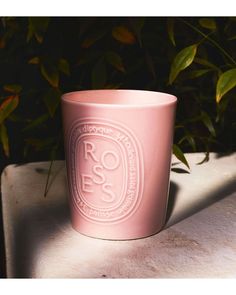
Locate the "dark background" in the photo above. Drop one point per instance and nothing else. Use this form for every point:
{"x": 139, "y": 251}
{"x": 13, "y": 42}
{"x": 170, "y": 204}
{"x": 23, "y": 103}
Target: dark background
{"x": 41, "y": 58}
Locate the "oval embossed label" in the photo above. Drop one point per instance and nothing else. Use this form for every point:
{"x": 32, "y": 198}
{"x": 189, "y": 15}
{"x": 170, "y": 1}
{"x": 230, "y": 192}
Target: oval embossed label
{"x": 106, "y": 175}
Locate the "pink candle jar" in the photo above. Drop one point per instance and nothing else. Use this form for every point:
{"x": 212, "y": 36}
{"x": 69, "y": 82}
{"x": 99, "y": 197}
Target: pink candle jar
{"x": 118, "y": 146}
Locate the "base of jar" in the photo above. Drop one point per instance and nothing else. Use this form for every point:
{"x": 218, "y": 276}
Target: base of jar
{"x": 117, "y": 238}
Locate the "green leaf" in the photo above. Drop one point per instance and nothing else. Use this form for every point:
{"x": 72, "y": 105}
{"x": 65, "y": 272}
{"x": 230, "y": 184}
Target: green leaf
{"x": 221, "y": 108}
{"x": 93, "y": 37}
{"x": 36, "y": 123}
{"x": 206, "y": 63}
{"x": 226, "y": 82}
{"x": 182, "y": 60}
{"x": 8, "y": 106}
{"x": 87, "y": 57}
{"x": 150, "y": 64}
{"x": 30, "y": 33}
{"x": 64, "y": 66}
{"x": 115, "y": 60}
{"x": 208, "y": 123}
{"x": 13, "y": 88}
{"x": 99, "y": 75}
{"x": 137, "y": 25}
{"x": 205, "y": 159}
{"x": 179, "y": 155}
{"x": 170, "y": 29}
{"x": 16, "y": 118}
{"x": 52, "y": 100}
{"x": 37, "y": 27}
{"x": 232, "y": 38}
{"x": 123, "y": 35}
{"x": 40, "y": 144}
{"x": 50, "y": 73}
{"x": 35, "y": 60}
{"x": 4, "y": 139}
{"x": 197, "y": 73}
{"x": 190, "y": 139}
{"x": 208, "y": 23}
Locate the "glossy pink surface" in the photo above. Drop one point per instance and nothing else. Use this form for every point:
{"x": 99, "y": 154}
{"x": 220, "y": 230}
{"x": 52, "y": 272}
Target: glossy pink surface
{"x": 118, "y": 153}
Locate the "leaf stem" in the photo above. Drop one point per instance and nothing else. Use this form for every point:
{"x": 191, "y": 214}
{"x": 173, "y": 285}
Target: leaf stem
{"x": 211, "y": 40}
{"x": 54, "y": 149}
{"x": 48, "y": 176}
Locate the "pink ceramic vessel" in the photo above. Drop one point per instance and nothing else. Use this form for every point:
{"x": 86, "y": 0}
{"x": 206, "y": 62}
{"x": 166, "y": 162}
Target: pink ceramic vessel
{"x": 118, "y": 147}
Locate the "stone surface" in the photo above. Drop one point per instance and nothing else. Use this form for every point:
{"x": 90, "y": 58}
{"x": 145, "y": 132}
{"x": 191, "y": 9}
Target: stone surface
{"x": 199, "y": 239}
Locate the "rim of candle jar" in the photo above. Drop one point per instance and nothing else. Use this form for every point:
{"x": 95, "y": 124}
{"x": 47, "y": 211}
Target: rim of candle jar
{"x": 124, "y": 98}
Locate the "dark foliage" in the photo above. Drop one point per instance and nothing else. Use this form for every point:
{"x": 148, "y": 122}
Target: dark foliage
{"x": 40, "y": 58}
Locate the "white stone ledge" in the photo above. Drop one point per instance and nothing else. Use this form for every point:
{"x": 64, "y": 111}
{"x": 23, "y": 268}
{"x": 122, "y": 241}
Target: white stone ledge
{"x": 199, "y": 239}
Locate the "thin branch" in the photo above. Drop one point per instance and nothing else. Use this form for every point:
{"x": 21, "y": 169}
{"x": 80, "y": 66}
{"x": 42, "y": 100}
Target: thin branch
{"x": 54, "y": 149}
{"x": 48, "y": 176}
{"x": 211, "y": 40}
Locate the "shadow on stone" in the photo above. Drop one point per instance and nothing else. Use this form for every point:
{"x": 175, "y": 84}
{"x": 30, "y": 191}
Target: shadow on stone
{"x": 191, "y": 206}
{"x": 41, "y": 225}
{"x": 180, "y": 170}
{"x": 34, "y": 230}
{"x": 173, "y": 192}
{"x": 221, "y": 155}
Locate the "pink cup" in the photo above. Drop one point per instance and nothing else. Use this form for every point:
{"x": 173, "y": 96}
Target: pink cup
{"x": 118, "y": 147}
